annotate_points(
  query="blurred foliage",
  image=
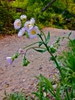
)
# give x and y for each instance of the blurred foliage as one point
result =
(6, 17)
(61, 14)
(16, 96)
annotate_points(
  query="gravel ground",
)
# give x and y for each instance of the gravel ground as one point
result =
(15, 77)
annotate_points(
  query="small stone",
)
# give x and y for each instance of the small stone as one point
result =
(0, 89)
(32, 55)
(32, 83)
(40, 67)
(7, 85)
(13, 66)
(6, 65)
(24, 80)
(29, 87)
(13, 89)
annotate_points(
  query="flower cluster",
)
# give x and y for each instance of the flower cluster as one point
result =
(28, 27)
(24, 27)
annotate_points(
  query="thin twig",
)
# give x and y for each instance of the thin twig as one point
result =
(47, 5)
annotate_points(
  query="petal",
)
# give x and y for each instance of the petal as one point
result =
(9, 59)
(32, 20)
(21, 32)
(32, 32)
(23, 17)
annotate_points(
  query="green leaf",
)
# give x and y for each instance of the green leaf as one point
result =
(58, 94)
(25, 62)
(15, 56)
(57, 41)
(29, 98)
(53, 50)
(52, 58)
(47, 38)
(48, 83)
(40, 43)
(40, 50)
(37, 77)
(36, 94)
(69, 34)
(73, 85)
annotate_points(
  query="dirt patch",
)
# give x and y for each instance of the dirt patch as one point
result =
(15, 77)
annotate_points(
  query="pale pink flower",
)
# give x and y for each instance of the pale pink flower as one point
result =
(21, 51)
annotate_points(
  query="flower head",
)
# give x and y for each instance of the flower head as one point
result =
(27, 25)
(21, 32)
(23, 17)
(32, 32)
(17, 24)
(9, 59)
(21, 51)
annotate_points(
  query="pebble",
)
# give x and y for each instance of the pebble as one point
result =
(24, 80)
(7, 85)
(40, 67)
(0, 89)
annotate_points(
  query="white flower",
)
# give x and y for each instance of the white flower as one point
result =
(32, 21)
(27, 25)
(17, 24)
(9, 59)
(32, 32)
(21, 32)
(21, 51)
(23, 17)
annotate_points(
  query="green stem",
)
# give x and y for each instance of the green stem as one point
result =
(52, 92)
(58, 67)
(54, 95)
(43, 35)
(30, 45)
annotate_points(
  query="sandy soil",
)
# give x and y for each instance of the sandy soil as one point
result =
(16, 77)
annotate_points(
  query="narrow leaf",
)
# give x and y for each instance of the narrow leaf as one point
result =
(47, 38)
(40, 43)
(53, 50)
(69, 34)
(48, 83)
(73, 85)
(36, 94)
(40, 50)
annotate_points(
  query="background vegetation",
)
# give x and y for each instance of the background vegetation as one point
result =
(60, 14)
